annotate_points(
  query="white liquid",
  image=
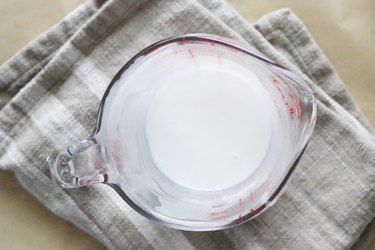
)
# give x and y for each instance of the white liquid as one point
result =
(208, 121)
(209, 129)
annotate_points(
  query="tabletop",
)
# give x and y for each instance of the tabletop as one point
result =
(344, 29)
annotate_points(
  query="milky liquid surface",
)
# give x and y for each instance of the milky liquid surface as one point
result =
(210, 128)
(197, 116)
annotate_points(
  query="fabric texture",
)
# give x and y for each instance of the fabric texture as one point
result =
(50, 93)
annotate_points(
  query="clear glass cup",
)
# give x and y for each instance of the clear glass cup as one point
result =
(121, 158)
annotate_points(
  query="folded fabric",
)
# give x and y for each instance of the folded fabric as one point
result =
(50, 93)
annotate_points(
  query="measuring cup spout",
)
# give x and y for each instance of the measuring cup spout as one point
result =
(79, 165)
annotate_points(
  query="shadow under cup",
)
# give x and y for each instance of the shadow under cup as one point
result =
(193, 187)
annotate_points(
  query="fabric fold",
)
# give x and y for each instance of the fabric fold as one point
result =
(50, 94)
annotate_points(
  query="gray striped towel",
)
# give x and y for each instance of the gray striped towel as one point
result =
(50, 93)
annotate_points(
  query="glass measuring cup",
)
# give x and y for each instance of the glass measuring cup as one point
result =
(118, 152)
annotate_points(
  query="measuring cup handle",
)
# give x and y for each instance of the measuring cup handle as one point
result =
(80, 165)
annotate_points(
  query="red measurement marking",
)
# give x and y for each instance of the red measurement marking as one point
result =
(298, 105)
(241, 203)
(251, 196)
(240, 217)
(219, 213)
(291, 112)
(190, 52)
(253, 211)
(282, 95)
(275, 80)
(287, 104)
(212, 43)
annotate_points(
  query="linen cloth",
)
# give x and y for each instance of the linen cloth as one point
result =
(50, 92)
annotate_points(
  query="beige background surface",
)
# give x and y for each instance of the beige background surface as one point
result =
(345, 30)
